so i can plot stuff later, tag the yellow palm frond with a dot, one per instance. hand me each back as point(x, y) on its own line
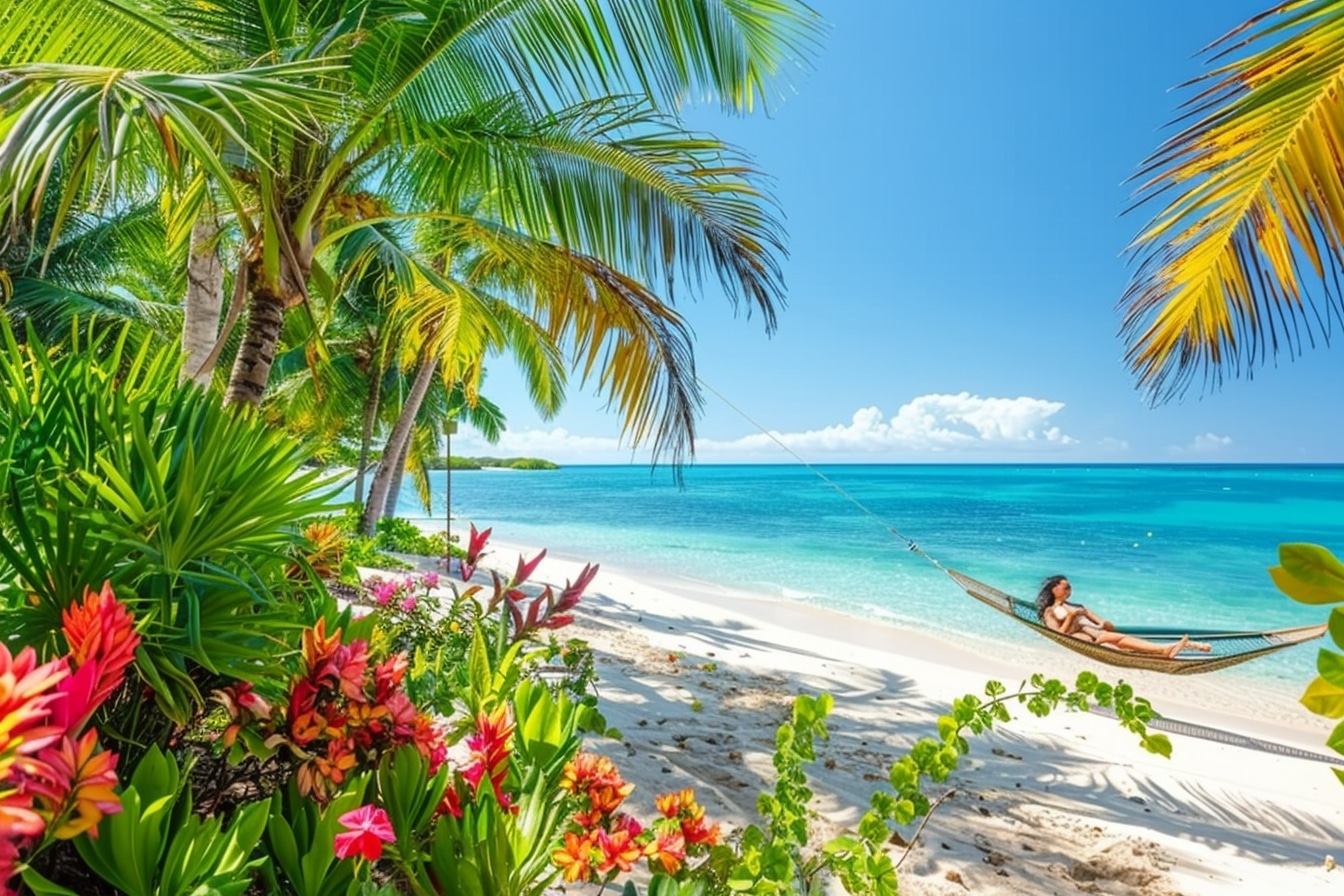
point(1239, 264)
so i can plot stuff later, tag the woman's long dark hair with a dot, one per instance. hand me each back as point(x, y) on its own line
point(1046, 596)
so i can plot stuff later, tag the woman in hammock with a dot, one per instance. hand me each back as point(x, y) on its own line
point(1077, 621)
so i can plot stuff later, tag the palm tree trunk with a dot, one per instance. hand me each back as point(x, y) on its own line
point(252, 367)
point(366, 431)
point(203, 302)
point(397, 444)
point(394, 487)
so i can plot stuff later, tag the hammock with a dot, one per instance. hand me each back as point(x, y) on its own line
point(1229, 648)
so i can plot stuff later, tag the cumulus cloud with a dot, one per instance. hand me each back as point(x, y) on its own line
point(1204, 443)
point(929, 424)
point(936, 427)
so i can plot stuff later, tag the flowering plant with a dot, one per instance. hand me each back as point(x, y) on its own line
point(604, 841)
point(343, 711)
point(55, 781)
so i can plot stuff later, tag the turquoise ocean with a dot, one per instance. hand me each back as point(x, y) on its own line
point(1179, 545)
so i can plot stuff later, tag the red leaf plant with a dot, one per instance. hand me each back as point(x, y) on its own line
point(475, 550)
point(604, 841)
point(55, 782)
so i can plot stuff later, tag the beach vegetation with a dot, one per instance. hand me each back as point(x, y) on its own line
point(1311, 574)
point(1235, 266)
point(378, 126)
point(778, 858)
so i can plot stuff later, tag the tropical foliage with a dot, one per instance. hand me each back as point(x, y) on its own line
point(539, 139)
point(1241, 259)
point(1310, 574)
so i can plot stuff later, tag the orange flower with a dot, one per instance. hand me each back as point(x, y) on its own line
point(80, 791)
point(697, 833)
point(670, 804)
point(668, 848)
point(575, 858)
point(619, 850)
point(101, 632)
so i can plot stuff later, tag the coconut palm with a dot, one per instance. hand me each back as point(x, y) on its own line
point(411, 82)
point(1242, 260)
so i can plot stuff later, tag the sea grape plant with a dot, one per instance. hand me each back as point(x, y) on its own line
point(778, 858)
point(1310, 574)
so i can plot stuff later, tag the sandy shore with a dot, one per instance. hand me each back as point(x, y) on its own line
point(697, 678)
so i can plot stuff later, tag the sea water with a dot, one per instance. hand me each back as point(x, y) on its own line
point(1171, 545)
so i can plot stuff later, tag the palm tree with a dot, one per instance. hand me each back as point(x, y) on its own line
point(1242, 260)
point(432, 88)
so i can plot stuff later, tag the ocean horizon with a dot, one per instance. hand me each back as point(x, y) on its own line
point(1178, 545)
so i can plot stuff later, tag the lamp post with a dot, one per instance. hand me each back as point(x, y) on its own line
point(449, 427)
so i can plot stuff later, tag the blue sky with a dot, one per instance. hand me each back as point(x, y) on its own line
point(953, 177)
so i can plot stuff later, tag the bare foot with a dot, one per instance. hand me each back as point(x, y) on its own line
point(1186, 644)
point(1178, 647)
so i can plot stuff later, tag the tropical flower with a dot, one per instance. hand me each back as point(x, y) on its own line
point(489, 746)
point(84, 781)
point(620, 850)
point(366, 830)
point(575, 858)
point(667, 849)
point(475, 548)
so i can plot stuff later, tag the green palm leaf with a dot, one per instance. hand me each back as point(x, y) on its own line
point(1254, 201)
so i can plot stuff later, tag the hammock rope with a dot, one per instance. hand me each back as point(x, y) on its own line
point(1229, 648)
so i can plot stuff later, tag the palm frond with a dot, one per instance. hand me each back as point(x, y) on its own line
point(93, 121)
point(614, 180)
point(1241, 263)
point(432, 59)
point(95, 32)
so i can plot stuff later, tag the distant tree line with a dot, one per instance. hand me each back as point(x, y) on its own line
point(480, 463)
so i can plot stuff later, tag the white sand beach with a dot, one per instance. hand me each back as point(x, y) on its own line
point(698, 678)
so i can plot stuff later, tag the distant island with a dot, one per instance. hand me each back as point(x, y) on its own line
point(481, 463)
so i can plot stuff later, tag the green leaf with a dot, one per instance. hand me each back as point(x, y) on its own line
point(1336, 739)
point(43, 887)
point(1324, 699)
point(1309, 574)
point(1337, 626)
point(1331, 666)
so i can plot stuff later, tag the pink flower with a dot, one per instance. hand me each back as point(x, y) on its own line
point(408, 605)
point(383, 592)
point(429, 580)
point(366, 830)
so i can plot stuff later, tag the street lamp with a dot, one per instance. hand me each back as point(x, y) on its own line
point(449, 428)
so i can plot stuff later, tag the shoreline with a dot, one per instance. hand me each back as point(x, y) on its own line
point(1243, 705)
point(697, 678)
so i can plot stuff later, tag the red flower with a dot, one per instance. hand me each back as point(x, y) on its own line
point(619, 850)
point(366, 830)
point(102, 640)
point(475, 547)
point(489, 746)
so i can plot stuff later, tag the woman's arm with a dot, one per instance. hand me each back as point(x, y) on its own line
point(1097, 620)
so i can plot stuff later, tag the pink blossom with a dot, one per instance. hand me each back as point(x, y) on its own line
point(429, 580)
point(383, 592)
point(408, 605)
point(366, 830)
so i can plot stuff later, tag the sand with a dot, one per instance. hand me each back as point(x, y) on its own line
point(697, 678)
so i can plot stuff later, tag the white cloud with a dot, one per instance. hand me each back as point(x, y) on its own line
point(929, 427)
point(1204, 443)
